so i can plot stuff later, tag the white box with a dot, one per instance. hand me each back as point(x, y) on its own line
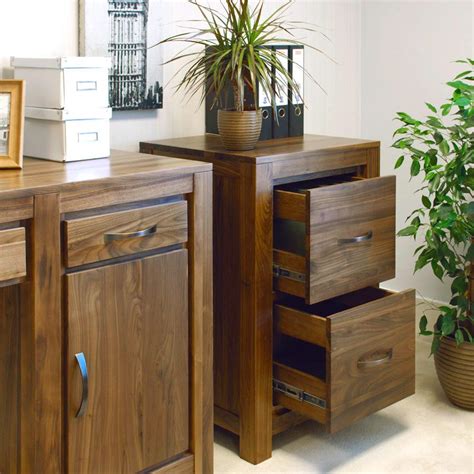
point(60, 135)
point(64, 83)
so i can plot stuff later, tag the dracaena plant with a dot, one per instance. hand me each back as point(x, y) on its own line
point(229, 45)
point(440, 148)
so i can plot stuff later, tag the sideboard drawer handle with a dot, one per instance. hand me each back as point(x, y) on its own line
point(374, 359)
point(130, 235)
point(359, 238)
point(81, 362)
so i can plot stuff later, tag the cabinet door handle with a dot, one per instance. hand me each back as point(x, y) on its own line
point(81, 362)
point(130, 235)
point(359, 238)
point(376, 358)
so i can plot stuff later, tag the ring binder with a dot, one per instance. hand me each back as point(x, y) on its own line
point(296, 102)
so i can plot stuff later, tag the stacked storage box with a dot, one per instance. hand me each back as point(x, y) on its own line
point(67, 114)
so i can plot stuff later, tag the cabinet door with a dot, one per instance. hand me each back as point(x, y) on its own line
point(130, 322)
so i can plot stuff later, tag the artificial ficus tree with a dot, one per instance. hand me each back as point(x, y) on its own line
point(440, 149)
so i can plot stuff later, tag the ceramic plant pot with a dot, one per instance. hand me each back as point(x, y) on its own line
point(239, 130)
point(455, 369)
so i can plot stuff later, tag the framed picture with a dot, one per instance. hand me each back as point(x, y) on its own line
point(12, 110)
point(124, 30)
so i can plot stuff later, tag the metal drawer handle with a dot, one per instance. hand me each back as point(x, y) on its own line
point(81, 362)
point(359, 238)
point(375, 359)
point(130, 235)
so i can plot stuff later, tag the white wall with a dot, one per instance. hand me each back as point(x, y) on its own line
point(391, 55)
point(50, 28)
point(408, 49)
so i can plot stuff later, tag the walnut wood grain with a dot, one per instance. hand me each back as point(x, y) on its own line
point(201, 301)
point(210, 148)
point(284, 419)
point(136, 348)
point(297, 378)
point(42, 177)
point(9, 378)
point(242, 233)
point(315, 413)
point(301, 325)
point(184, 465)
point(376, 326)
point(227, 303)
point(227, 420)
point(16, 209)
point(256, 216)
point(12, 253)
point(36, 199)
point(294, 262)
point(290, 205)
point(85, 238)
point(41, 345)
point(337, 212)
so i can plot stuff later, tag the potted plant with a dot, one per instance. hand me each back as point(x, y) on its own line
point(440, 148)
point(233, 48)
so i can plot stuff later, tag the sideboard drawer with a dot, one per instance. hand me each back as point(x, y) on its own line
point(106, 236)
point(343, 359)
point(333, 236)
point(12, 253)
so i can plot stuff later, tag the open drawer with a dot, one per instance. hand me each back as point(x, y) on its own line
point(333, 236)
point(341, 360)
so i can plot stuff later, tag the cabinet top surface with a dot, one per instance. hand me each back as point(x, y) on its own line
point(41, 174)
point(209, 147)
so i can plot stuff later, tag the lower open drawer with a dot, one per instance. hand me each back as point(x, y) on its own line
point(343, 359)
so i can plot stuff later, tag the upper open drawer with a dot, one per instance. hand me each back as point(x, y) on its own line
point(106, 236)
point(333, 236)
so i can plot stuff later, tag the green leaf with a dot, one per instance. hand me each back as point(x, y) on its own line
point(423, 323)
point(399, 161)
point(444, 147)
point(421, 262)
point(437, 270)
point(458, 335)
point(445, 109)
point(431, 107)
point(447, 326)
point(410, 230)
point(415, 168)
point(462, 102)
point(435, 345)
point(404, 117)
point(459, 85)
point(426, 202)
point(459, 285)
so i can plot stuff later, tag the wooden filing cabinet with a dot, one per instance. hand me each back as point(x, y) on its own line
point(106, 316)
point(304, 232)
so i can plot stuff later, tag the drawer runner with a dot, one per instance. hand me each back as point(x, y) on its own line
point(285, 273)
point(298, 394)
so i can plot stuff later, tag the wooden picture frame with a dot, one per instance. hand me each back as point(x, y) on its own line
point(12, 113)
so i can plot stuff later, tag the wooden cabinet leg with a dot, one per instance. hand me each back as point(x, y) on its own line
point(41, 333)
point(256, 313)
point(200, 254)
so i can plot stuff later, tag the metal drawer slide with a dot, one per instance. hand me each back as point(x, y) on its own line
point(298, 394)
point(283, 272)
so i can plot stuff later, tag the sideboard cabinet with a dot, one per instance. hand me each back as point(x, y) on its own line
point(106, 316)
point(304, 232)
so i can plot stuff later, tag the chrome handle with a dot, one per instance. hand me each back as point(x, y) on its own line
point(359, 238)
point(81, 362)
point(375, 359)
point(130, 235)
